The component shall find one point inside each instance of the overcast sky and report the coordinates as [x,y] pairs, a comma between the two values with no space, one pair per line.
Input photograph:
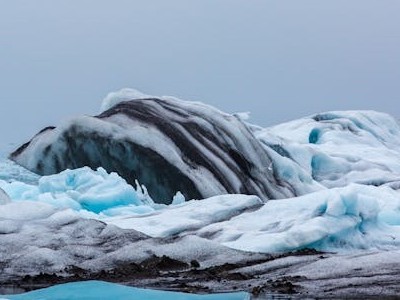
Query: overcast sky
[280,59]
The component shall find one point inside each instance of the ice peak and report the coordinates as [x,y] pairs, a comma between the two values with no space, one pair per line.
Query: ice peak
[124,94]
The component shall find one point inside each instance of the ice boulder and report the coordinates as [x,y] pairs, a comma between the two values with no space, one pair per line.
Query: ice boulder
[169,145]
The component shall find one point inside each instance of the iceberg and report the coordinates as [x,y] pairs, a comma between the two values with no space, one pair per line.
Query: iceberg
[154,183]
[168,145]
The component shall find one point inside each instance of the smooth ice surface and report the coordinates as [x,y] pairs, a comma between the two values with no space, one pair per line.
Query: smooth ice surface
[95,290]
[188,216]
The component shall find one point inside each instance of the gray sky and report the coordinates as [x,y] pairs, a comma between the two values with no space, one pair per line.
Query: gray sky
[280,59]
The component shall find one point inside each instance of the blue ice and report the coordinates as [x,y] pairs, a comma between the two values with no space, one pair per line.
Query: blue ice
[98,290]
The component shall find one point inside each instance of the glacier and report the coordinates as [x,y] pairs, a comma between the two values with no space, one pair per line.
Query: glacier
[168,145]
[329,182]
[337,219]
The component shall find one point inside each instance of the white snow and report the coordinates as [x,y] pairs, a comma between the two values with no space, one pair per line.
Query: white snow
[124,94]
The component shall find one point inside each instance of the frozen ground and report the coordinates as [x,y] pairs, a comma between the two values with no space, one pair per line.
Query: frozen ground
[347,165]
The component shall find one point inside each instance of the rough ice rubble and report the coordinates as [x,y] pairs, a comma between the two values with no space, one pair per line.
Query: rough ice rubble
[94,290]
[83,189]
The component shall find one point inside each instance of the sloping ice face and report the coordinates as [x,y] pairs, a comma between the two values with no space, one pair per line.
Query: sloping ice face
[168,145]
[339,148]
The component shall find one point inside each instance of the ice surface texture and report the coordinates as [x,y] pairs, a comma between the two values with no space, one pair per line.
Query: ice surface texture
[355,217]
[83,189]
[168,145]
[339,148]
[339,173]
[52,230]
[339,220]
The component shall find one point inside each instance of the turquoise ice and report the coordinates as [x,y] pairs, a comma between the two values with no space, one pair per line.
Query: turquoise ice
[98,290]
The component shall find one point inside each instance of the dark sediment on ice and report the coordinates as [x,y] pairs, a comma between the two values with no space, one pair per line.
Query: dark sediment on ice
[165,273]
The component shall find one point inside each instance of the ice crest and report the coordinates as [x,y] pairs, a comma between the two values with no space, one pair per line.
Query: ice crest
[124,94]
